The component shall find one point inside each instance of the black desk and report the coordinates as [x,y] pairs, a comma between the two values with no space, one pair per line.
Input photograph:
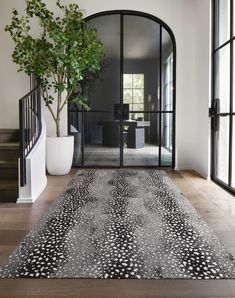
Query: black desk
[135,133]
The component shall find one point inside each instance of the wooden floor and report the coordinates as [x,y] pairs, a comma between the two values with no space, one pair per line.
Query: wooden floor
[98,155]
[215,205]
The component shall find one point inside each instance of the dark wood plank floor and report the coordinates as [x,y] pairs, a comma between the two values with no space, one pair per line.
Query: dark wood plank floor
[215,205]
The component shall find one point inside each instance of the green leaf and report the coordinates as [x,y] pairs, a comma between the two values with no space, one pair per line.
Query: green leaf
[66,52]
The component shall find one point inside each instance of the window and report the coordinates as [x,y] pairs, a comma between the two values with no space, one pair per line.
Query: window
[167,99]
[168,84]
[133,91]
[223,133]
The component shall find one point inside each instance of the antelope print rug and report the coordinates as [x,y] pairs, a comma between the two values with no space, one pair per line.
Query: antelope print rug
[123,224]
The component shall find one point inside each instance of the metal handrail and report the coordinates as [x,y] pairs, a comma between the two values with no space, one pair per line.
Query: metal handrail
[30,127]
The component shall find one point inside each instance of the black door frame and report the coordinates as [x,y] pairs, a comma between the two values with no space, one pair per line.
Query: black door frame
[230,114]
[122,13]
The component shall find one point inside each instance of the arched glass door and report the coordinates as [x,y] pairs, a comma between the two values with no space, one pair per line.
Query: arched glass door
[132,116]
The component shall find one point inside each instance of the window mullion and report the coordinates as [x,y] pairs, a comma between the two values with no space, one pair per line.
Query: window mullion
[132,92]
[231,99]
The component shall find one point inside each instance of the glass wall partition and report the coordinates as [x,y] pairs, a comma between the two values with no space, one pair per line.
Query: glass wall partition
[141,61]
[222,109]
[101,130]
[167,103]
[132,116]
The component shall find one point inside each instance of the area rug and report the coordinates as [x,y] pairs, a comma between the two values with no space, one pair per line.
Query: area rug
[123,224]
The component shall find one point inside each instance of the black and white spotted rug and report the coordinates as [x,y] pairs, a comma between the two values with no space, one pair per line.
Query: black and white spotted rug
[121,224]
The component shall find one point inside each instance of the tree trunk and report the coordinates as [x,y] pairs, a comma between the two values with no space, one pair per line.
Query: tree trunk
[58,114]
[58,127]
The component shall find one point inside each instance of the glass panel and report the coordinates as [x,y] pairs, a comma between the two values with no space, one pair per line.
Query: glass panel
[167,139]
[102,139]
[127,81]
[222,21]
[138,107]
[135,94]
[106,88]
[233,155]
[167,72]
[137,116]
[75,129]
[141,52]
[141,60]
[222,90]
[222,150]
[127,96]
[141,140]
[138,81]
[233,17]
[138,96]
[222,78]
[234,75]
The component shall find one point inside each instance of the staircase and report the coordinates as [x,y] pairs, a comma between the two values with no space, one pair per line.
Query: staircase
[9,154]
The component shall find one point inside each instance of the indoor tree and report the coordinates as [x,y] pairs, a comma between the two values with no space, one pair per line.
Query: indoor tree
[67,51]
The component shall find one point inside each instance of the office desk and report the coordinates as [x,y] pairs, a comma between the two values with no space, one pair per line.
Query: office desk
[135,133]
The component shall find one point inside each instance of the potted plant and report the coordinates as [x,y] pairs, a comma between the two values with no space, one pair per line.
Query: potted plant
[67,51]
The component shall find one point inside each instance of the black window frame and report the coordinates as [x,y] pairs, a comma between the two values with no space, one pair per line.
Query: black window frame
[161,112]
[215,49]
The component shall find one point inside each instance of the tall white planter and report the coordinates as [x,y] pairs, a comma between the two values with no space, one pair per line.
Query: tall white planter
[59,155]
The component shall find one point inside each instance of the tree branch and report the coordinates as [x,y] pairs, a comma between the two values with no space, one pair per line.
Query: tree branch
[66,99]
[45,97]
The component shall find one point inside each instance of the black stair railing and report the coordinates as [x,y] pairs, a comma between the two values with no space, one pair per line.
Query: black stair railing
[74,117]
[30,126]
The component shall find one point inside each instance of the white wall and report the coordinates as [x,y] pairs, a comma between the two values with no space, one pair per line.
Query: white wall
[189,20]
[35,171]
[203,92]
[12,84]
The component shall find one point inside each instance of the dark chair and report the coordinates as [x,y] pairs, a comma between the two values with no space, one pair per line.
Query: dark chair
[111,136]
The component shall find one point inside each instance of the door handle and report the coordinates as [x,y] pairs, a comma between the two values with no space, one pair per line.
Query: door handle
[214,113]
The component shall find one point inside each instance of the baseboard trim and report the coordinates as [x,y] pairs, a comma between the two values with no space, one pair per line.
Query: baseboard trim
[34,198]
[207,177]
[24,200]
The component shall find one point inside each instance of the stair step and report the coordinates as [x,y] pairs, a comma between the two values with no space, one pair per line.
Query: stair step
[8,184]
[9,146]
[9,151]
[9,135]
[8,190]
[8,169]
[8,164]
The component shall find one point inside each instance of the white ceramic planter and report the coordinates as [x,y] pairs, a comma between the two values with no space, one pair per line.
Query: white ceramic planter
[59,155]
